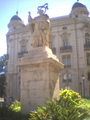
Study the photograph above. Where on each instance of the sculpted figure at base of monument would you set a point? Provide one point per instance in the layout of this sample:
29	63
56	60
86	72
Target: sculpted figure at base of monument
39	27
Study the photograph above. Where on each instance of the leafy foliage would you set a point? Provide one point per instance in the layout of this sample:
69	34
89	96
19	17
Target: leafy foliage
86	105
12	112
15	106
68	107
2	75
2	85
2	64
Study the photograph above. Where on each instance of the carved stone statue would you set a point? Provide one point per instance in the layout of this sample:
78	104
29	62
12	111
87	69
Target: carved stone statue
39	27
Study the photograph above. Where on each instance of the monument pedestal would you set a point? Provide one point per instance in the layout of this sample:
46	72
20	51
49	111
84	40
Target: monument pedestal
39	78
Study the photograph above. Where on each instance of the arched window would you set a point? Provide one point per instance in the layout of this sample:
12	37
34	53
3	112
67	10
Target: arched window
89	89
50	41
64	77
65	42
66	60
50	44
23	48
69	76
67	87
88	58
87	39
88	75
23	45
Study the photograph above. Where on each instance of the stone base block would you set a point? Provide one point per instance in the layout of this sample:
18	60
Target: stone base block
39	78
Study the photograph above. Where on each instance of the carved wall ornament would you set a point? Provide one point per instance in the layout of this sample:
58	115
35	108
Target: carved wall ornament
36	75
39	27
51	37
86	27
23	42
65	35
10	38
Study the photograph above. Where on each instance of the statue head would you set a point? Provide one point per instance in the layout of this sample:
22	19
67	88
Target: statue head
40	12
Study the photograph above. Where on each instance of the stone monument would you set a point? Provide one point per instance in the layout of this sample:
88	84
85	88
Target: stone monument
39	67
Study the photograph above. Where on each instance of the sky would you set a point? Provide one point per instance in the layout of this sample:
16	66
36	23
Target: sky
8	9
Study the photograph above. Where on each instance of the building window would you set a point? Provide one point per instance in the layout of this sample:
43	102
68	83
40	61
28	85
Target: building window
87	38
50	45
64	76
69	76
65	43
66	60
89	89
23	48
88	58
88	75
67	87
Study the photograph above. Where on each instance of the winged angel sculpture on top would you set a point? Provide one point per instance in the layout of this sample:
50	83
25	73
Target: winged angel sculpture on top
39	27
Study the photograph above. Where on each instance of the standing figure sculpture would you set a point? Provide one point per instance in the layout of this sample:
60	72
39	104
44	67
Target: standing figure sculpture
39	27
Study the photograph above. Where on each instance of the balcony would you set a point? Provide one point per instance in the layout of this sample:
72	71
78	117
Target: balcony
20	54
64	80
67	80
67	66
66	49
6	56
88	63
86	46
54	50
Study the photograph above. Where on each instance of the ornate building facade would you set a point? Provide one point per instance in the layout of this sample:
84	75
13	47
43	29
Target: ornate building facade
69	39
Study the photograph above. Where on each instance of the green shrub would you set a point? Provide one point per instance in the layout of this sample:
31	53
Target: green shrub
86	105
15	106
12	112
68	107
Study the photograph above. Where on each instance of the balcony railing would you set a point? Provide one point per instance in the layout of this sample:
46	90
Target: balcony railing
20	54
65	48
86	46
64	80
67	65
54	50
67	80
88	63
7	56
